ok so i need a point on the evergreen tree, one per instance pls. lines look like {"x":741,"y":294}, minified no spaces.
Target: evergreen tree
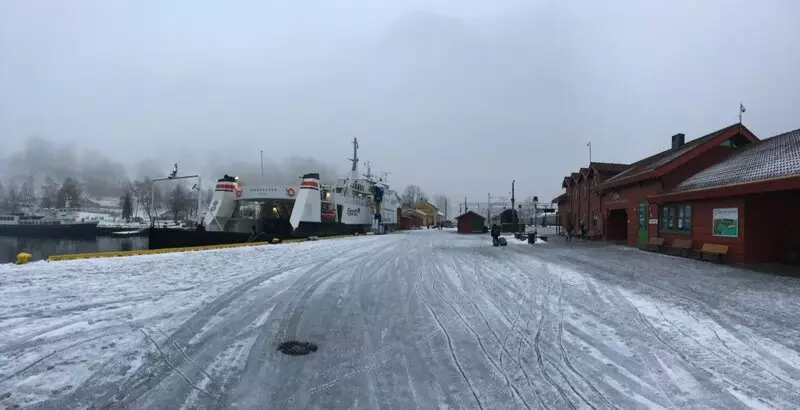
{"x":127,"y":207}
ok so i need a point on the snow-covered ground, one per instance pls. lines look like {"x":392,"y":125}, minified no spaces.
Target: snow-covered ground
{"x":425,"y":319}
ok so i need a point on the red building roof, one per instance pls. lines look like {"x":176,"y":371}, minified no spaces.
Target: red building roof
{"x":559,"y":199}
{"x":607,"y":168}
{"x":470,"y":213}
{"x":770,"y":160}
{"x":665,"y":161}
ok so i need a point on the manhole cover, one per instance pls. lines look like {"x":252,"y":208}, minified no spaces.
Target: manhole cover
{"x":295,"y":348}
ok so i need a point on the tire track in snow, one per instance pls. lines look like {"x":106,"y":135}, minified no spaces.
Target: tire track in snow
{"x":154,"y":371}
{"x":518,"y":361}
{"x":513,"y":323}
{"x":375,"y":262}
{"x":513,"y":388}
{"x":262,"y":350}
{"x":793,"y":387}
{"x":559,"y":332}
{"x":537,"y":350}
{"x":652,"y":330}
{"x":449,"y":343}
{"x":523,"y":340}
{"x":637,"y":356}
{"x":564,"y":354}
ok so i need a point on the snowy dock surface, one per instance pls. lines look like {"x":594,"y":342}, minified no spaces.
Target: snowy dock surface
{"x":425,"y":319}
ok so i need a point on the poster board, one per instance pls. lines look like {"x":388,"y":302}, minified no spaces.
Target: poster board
{"x":725,"y":222}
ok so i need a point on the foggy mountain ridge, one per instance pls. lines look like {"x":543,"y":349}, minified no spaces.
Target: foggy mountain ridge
{"x":102,"y":177}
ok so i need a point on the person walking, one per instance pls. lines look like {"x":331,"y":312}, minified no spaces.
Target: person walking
{"x":570,"y":228}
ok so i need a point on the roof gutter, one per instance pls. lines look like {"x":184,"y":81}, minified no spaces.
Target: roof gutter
{"x":744,"y":188}
{"x":626,"y":181}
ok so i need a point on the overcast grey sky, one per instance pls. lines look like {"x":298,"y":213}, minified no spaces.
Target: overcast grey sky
{"x":459,"y":97}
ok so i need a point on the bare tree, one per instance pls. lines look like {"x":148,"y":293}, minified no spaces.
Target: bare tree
{"x":143,"y":193}
{"x":12,"y":200}
{"x":177,"y":201}
{"x":27,"y":193}
{"x":49,"y":195}
{"x":412,"y":195}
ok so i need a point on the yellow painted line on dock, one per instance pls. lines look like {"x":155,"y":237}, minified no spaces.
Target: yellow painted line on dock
{"x":149,"y":251}
{"x":174,"y":250}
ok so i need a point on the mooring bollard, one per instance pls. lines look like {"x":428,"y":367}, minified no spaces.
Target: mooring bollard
{"x":23,"y":258}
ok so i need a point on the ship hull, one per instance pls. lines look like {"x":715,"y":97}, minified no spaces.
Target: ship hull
{"x":72,"y":231}
{"x":162,"y":238}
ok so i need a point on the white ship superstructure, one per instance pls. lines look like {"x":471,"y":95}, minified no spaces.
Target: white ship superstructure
{"x":353,"y":204}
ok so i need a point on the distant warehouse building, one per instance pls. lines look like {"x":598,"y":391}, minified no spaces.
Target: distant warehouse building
{"x":470,"y":222}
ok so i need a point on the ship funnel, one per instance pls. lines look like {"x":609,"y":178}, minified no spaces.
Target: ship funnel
{"x":222,"y":204}
{"x":307,"y":205}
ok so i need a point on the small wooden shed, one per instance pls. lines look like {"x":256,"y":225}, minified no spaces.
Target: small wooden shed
{"x":470,"y":222}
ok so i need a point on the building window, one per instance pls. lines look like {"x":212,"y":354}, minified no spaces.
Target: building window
{"x":676,"y":217}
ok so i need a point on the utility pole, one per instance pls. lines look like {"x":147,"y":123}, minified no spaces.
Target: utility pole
{"x":512,"y":201}
{"x":465,"y":204}
{"x":445,"y":208}
{"x":262,"y":167}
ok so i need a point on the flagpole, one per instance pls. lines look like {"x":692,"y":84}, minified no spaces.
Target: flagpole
{"x":589,"y":144}
{"x":741,"y":111}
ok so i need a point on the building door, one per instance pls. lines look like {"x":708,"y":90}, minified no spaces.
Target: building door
{"x":642,"y":237}
{"x":477,"y":225}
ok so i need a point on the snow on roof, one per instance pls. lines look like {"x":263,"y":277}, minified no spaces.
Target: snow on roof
{"x":774,"y":157}
{"x":608,"y":168}
{"x":470,"y":213}
{"x":656,"y":161}
{"x":413,"y":211}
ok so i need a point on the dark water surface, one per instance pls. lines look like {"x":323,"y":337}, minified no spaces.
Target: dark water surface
{"x":42,"y":248}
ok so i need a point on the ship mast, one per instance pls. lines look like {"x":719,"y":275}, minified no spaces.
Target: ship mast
{"x":355,"y":155}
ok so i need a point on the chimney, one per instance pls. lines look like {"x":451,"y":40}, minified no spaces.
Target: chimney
{"x":678,"y":140}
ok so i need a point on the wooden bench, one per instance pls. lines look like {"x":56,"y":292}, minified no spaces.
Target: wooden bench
{"x":713,"y":249}
{"x":655,"y":243}
{"x":680,"y":246}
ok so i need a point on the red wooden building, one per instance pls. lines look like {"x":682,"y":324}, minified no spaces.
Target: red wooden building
{"x":578,"y":203}
{"x":562,"y":209}
{"x":749,"y":201}
{"x":470,"y":222}
{"x":626,"y":207}
{"x":410,"y":219}
{"x":705,"y":190}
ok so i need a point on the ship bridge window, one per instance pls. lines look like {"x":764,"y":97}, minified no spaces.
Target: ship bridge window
{"x":248,"y":210}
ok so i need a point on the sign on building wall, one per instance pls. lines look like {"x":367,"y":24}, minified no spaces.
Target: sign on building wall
{"x":726,"y":222}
